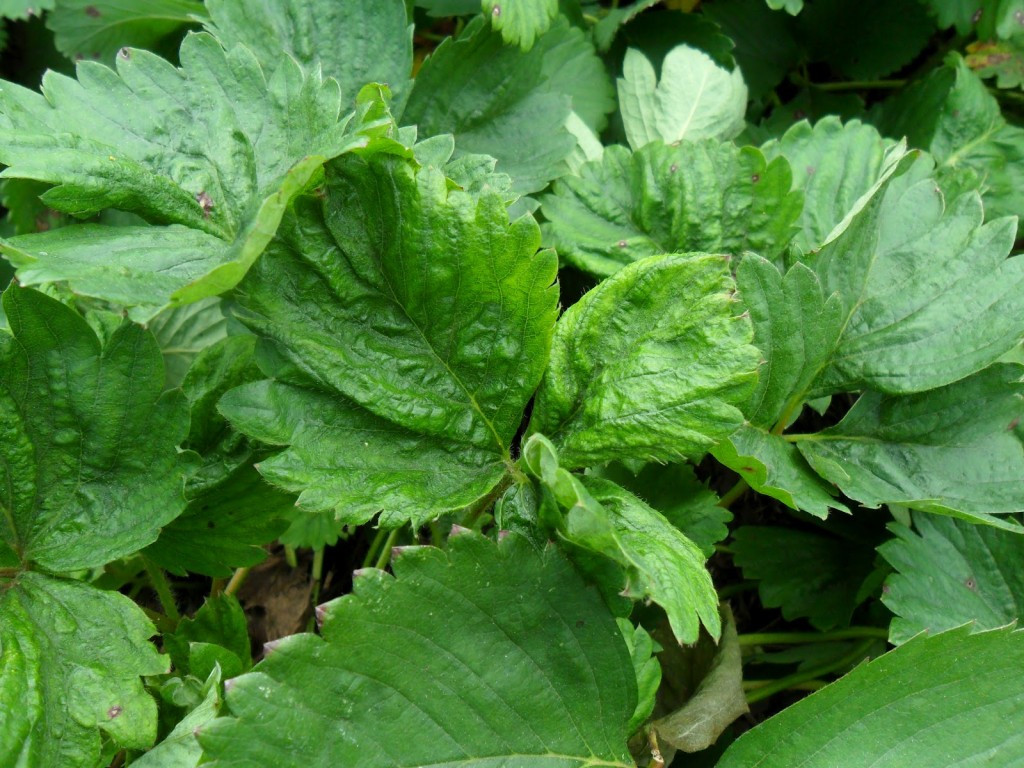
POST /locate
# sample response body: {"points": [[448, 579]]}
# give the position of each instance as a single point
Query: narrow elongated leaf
{"points": [[417, 320], [213, 151], [650, 364], [498, 101], [951, 572], [951, 450], [355, 42], [532, 671], [949, 699], [70, 660], [521, 21], [90, 454], [697, 196], [695, 98], [98, 29]]}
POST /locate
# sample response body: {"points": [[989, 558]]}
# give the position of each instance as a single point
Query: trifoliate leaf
{"points": [[928, 294], [214, 152], [953, 116], [530, 671], [948, 699], [698, 196], [775, 468], [417, 322], [521, 21], [649, 365], [703, 689], [70, 660], [834, 165], [951, 572], [805, 574], [950, 450], [355, 42], [98, 29], [695, 98], [499, 101], [90, 448]]}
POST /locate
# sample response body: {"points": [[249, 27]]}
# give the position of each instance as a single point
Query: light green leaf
{"points": [[952, 115], [213, 151], [986, 18], [704, 688], [796, 328], [521, 21], [97, 29], [834, 165], [532, 671], [806, 574], [23, 9], [572, 68], [180, 749], [950, 699], [695, 98], [775, 468], [648, 671], [951, 450], [928, 293], [792, 7], [407, 384], [649, 365], [1001, 59], [698, 196], [499, 101], [355, 42], [70, 660], [951, 572], [90, 454]]}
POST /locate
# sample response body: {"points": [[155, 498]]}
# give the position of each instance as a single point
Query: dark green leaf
{"points": [[183, 332], [649, 365], [949, 699], [532, 671], [951, 572], [219, 621], [766, 42]]}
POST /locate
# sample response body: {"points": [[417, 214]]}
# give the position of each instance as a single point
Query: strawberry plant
{"points": [[511, 383]]}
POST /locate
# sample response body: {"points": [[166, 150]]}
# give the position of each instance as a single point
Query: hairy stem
{"points": [[730, 496], [158, 581]]}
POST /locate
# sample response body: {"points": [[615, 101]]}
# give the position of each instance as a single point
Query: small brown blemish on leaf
{"points": [[673, 168], [976, 16], [205, 203], [746, 469], [810, 170], [885, 589], [799, 114], [92, 11], [622, 243], [755, 178], [496, 11], [580, 624], [1013, 425], [971, 584], [114, 711], [125, 53]]}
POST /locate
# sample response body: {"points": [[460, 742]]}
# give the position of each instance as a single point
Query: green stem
{"points": [[474, 513], [9, 573], [733, 494], [799, 638], [318, 571], [217, 587], [162, 587], [853, 85], [730, 590], [385, 553], [809, 685], [237, 579], [161, 622], [811, 673], [373, 552], [290, 557]]}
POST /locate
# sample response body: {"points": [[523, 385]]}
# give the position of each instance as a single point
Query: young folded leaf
{"points": [[409, 325], [483, 655], [651, 364]]}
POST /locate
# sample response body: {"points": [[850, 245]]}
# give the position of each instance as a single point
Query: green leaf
{"points": [[521, 21], [805, 574], [23, 9], [214, 152], [648, 671], [184, 332], [501, 101], [834, 165], [697, 196], [649, 365], [953, 116], [615, 18], [572, 68], [69, 671], [412, 323], [1001, 59], [180, 749], [532, 672], [695, 98], [90, 454], [949, 699], [792, 7], [951, 572], [219, 621], [951, 450], [98, 29], [774, 467], [703, 689], [355, 42], [988, 18]]}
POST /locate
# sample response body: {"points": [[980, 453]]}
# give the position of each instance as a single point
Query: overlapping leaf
{"points": [[410, 324], [532, 671], [521, 21], [651, 364], [697, 196], [949, 699], [213, 152], [950, 572]]}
